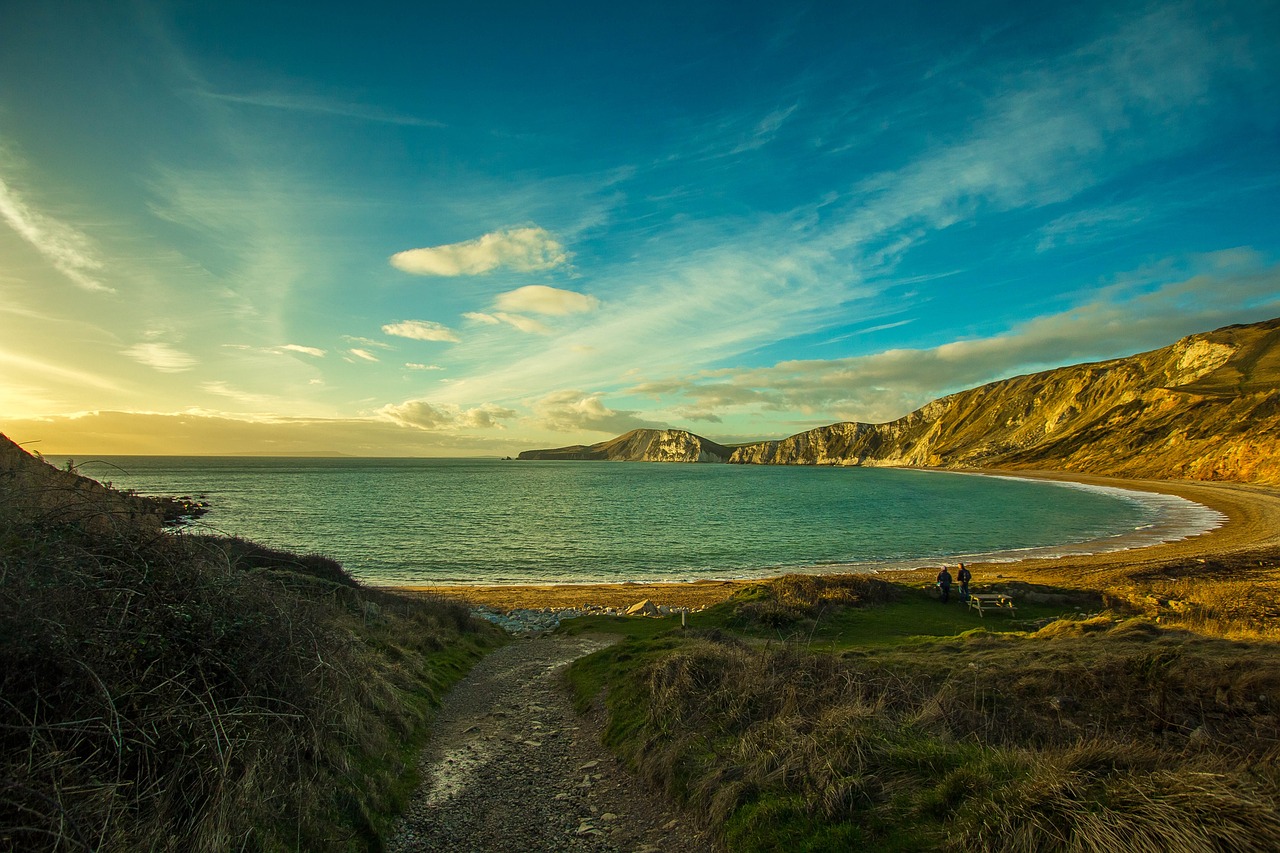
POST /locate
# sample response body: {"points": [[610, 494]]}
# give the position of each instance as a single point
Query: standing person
{"points": [[963, 576], [944, 584]]}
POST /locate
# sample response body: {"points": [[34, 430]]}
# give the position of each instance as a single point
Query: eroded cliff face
{"points": [[1207, 407]]}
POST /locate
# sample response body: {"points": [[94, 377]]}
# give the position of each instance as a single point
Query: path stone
{"points": [[512, 767]]}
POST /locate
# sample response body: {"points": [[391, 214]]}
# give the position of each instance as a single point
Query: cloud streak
{"points": [[421, 330], [318, 105], [68, 250], [161, 357]]}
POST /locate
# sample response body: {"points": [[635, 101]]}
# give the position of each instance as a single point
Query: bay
{"points": [[447, 521]]}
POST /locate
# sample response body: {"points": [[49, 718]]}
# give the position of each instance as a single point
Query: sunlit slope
{"points": [[1207, 407]]}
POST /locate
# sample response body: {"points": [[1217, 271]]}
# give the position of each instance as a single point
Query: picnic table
{"points": [[999, 602]]}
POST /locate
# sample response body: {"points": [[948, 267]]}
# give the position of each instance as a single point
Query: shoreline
{"points": [[1252, 522]]}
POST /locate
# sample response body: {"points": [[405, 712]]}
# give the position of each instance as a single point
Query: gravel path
{"points": [[512, 767]]}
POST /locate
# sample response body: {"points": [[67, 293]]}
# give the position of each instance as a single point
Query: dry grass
{"points": [[1101, 734], [791, 600], [172, 692]]}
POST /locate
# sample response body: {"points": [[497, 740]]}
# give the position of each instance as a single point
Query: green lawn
{"points": [[917, 615]]}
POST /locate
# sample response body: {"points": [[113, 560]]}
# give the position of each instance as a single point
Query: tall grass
{"points": [[1101, 736], [174, 692]]}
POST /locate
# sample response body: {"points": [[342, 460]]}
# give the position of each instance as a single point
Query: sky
{"points": [[394, 229]]}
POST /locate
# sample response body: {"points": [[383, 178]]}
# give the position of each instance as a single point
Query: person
{"points": [[944, 584], [963, 576]]}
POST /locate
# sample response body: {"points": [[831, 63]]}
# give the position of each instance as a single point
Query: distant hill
{"points": [[642, 445], [1206, 408]]}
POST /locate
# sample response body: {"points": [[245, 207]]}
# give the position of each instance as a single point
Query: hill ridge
{"points": [[1206, 407]]}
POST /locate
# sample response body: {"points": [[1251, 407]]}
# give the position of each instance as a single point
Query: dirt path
{"points": [[511, 766]]}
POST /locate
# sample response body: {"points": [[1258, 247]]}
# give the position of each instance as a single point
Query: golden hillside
{"points": [[1206, 408]]}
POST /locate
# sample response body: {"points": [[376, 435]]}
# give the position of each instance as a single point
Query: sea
{"points": [[491, 521]]}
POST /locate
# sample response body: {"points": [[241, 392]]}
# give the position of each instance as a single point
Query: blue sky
{"points": [[478, 229]]}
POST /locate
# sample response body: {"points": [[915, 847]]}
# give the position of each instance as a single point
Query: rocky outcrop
{"points": [[642, 445], [1205, 408]]}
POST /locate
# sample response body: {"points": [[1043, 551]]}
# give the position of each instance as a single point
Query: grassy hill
{"points": [[190, 693]]}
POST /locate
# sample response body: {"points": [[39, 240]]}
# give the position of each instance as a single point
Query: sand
{"points": [[1253, 524]]}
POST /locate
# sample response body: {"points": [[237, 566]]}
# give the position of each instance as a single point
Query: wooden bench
{"points": [[998, 602]]}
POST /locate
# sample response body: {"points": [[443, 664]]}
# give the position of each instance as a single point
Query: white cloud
{"points": [[299, 348], [518, 249], [363, 354], [424, 415], [420, 330], [575, 411], [70, 251], [540, 299], [160, 356], [413, 365]]}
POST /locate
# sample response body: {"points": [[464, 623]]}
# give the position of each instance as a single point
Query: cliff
{"points": [[642, 445], [1205, 408]]}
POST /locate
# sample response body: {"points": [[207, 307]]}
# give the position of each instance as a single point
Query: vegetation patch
{"points": [[178, 692], [1103, 732]]}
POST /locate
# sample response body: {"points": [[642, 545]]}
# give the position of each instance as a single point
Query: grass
{"points": [[839, 612], [178, 692], [1098, 732]]}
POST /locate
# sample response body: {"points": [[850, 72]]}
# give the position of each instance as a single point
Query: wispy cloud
{"points": [[517, 321], [160, 356], [518, 249], [421, 330], [225, 389], [24, 364], [363, 354], [1086, 226], [69, 251], [315, 352], [366, 342], [319, 105], [414, 365]]}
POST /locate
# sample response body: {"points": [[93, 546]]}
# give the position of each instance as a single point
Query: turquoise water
{"points": [[488, 521]]}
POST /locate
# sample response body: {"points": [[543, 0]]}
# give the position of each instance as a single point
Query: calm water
{"points": [[489, 521]]}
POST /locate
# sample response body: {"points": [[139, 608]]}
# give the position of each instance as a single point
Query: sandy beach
{"points": [[1253, 524]]}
